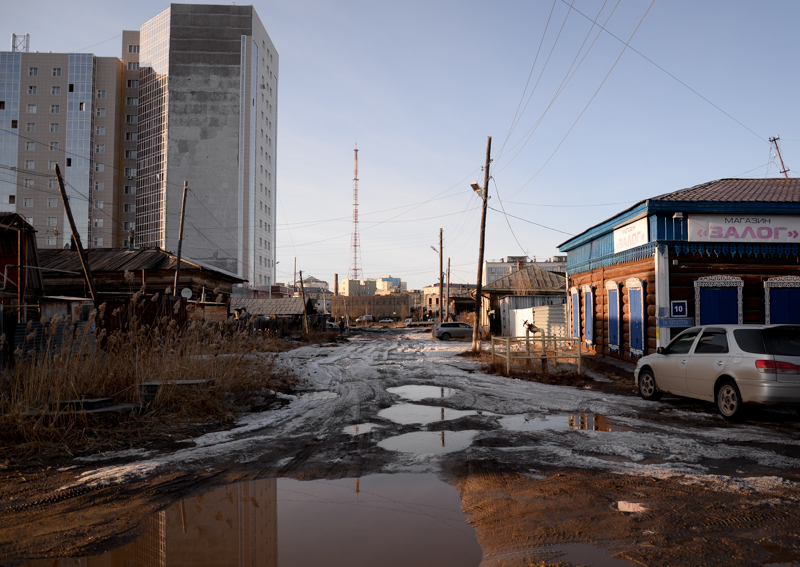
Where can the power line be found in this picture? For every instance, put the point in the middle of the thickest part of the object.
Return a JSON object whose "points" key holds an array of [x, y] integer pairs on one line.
{"points": [[531, 222]]}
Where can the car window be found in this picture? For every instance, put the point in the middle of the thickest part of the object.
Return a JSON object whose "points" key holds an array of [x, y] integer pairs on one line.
{"points": [[782, 341], [749, 340], [713, 341], [682, 342], [464, 326]]}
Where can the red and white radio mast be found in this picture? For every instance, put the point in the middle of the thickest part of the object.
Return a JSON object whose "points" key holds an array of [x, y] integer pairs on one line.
{"points": [[355, 245]]}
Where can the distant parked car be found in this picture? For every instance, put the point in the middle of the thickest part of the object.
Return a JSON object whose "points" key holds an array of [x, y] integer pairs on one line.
{"points": [[364, 319], [408, 321], [447, 331], [331, 325], [386, 321], [730, 365]]}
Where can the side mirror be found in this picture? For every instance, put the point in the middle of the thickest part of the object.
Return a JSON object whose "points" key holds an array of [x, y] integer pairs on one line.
{"points": [[660, 350]]}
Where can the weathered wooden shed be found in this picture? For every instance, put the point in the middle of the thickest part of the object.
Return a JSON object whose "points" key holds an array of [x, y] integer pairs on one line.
{"points": [[19, 262], [152, 267], [726, 251]]}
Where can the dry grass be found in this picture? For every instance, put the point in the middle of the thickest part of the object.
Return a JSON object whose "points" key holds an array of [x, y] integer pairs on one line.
{"points": [[564, 376], [239, 365]]}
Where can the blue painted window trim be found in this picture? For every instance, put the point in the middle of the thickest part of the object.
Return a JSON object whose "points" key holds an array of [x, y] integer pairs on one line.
{"points": [[587, 292], [614, 316]]}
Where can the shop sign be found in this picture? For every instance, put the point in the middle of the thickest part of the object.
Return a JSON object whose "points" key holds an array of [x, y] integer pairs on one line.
{"points": [[631, 235], [742, 229]]}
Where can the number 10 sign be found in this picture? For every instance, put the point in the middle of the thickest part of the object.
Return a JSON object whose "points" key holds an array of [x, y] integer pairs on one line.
{"points": [[678, 308]]}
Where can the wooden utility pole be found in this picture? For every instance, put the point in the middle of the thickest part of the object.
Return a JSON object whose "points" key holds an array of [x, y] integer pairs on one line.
{"points": [[775, 141], [476, 343], [180, 239], [447, 309], [76, 238], [441, 278], [303, 295]]}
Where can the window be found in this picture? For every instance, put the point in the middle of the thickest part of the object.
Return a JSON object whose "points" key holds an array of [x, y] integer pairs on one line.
{"points": [[99, 167], [100, 148], [29, 220], [133, 66], [12, 199], [56, 71], [101, 94], [52, 183], [81, 106], [33, 71], [30, 127], [98, 204], [101, 112], [133, 49], [99, 185], [32, 89], [51, 165], [55, 109], [130, 172], [131, 136], [713, 341], [53, 146], [128, 208], [128, 225], [29, 183], [97, 241], [69, 162], [133, 84], [683, 342], [55, 90], [30, 146], [132, 100], [98, 223], [31, 108], [51, 240], [27, 202], [131, 119], [52, 202], [100, 131], [52, 221], [30, 164], [130, 154], [129, 190], [54, 127]]}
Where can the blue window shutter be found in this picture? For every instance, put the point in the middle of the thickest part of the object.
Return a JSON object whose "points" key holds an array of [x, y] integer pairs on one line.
{"points": [[613, 320], [718, 306], [637, 322], [576, 315], [588, 315], [784, 306]]}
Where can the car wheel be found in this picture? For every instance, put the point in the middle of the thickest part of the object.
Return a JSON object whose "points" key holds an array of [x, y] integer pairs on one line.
{"points": [[729, 400], [647, 386], [445, 336]]}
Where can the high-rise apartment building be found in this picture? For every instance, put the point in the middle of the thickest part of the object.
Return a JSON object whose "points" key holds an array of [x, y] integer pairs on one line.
{"points": [[193, 99], [208, 88], [60, 108]]}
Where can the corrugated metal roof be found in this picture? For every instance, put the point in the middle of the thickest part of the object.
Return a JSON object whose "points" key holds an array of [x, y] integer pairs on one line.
{"points": [[530, 278], [770, 190], [121, 259], [269, 307]]}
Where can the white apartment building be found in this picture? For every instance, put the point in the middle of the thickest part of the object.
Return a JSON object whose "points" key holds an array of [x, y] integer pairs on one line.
{"points": [[494, 270]]}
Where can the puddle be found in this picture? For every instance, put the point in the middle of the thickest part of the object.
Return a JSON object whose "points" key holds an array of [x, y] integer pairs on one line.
{"points": [[411, 519], [310, 396], [429, 442], [360, 429], [419, 392], [587, 555], [406, 414], [550, 422]]}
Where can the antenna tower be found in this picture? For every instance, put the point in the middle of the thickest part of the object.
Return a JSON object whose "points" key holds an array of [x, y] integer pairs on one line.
{"points": [[355, 245]]}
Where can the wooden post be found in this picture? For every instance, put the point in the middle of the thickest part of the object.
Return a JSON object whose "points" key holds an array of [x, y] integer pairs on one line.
{"points": [[485, 196], [76, 238], [447, 311], [545, 369], [180, 239], [528, 361], [303, 295], [20, 313], [508, 356], [441, 279]]}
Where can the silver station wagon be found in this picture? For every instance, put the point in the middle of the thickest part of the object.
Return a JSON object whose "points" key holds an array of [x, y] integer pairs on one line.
{"points": [[730, 365]]}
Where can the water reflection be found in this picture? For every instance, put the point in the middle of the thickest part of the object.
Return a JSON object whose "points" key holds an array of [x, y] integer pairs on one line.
{"points": [[429, 442], [574, 421], [406, 414], [398, 519], [417, 392]]}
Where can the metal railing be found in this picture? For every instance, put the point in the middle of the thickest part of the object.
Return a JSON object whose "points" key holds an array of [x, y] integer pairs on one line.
{"points": [[542, 348]]}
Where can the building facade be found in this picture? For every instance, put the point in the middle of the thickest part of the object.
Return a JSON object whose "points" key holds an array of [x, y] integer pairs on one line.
{"points": [[722, 252], [494, 270], [208, 87]]}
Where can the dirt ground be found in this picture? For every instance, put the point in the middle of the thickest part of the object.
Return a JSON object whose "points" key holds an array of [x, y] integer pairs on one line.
{"points": [[546, 469]]}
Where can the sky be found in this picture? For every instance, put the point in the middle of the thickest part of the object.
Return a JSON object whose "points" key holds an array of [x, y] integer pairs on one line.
{"points": [[582, 126]]}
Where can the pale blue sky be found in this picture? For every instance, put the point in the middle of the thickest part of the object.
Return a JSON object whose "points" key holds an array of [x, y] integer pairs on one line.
{"points": [[422, 84]]}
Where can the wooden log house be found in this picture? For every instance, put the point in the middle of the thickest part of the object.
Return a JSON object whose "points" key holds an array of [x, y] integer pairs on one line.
{"points": [[726, 251]]}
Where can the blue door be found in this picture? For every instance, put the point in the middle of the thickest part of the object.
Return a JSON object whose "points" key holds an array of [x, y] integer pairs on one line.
{"points": [[613, 320], [719, 305], [784, 305], [576, 316], [588, 314], [637, 322]]}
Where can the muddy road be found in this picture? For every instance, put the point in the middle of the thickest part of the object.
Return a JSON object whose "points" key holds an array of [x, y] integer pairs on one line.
{"points": [[546, 474]]}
